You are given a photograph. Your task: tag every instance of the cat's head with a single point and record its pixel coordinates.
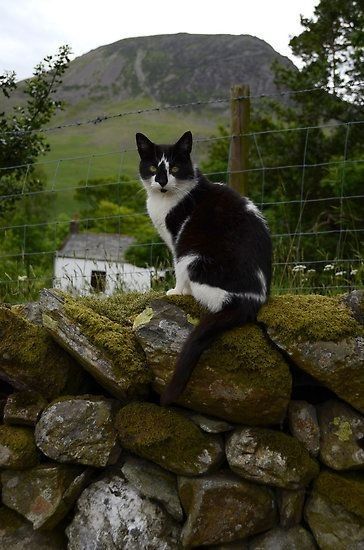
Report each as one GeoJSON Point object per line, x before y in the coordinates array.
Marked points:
{"type": "Point", "coordinates": [166, 168]}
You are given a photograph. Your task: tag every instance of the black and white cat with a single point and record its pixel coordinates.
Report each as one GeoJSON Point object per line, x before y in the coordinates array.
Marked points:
{"type": "Point", "coordinates": [220, 243]}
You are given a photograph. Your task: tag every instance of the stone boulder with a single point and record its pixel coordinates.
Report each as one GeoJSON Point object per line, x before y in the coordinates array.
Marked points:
{"type": "Point", "coordinates": [290, 506]}
{"type": "Point", "coordinates": [304, 425]}
{"type": "Point", "coordinates": [296, 538]}
{"type": "Point", "coordinates": [30, 359]}
{"type": "Point", "coordinates": [24, 408]}
{"type": "Point", "coordinates": [323, 338]}
{"type": "Point", "coordinates": [79, 430]}
{"type": "Point", "coordinates": [241, 378]}
{"type": "Point", "coordinates": [16, 533]}
{"type": "Point", "coordinates": [342, 436]}
{"type": "Point", "coordinates": [222, 508]}
{"type": "Point", "coordinates": [270, 457]}
{"type": "Point", "coordinates": [17, 448]}
{"type": "Point", "coordinates": [154, 482]}
{"type": "Point", "coordinates": [44, 494]}
{"type": "Point", "coordinates": [105, 348]}
{"type": "Point", "coordinates": [112, 514]}
{"type": "Point", "coordinates": [335, 511]}
{"type": "Point", "coordinates": [168, 438]}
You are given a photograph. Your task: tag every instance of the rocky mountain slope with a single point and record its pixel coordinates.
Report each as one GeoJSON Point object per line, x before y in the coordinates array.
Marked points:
{"type": "Point", "coordinates": [172, 68]}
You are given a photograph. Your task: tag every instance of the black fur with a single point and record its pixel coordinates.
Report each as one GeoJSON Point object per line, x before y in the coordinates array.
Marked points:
{"type": "Point", "coordinates": [229, 237]}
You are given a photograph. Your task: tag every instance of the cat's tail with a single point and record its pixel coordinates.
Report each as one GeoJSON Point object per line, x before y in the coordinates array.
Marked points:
{"type": "Point", "coordinates": [238, 312]}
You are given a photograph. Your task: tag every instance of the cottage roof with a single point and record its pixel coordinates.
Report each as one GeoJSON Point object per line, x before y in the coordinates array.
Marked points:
{"type": "Point", "coordinates": [95, 246]}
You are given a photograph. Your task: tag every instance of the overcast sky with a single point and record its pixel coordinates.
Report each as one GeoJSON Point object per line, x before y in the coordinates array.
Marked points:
{"type": "Point", "coordinates": [32, 29]}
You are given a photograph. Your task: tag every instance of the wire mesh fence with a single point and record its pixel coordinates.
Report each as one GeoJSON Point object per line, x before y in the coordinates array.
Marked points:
{"type": "Point", "coordinates": [79, 222]}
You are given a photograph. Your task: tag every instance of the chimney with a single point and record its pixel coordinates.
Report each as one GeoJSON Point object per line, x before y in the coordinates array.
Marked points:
{"type": "Point", "coordinates": [74, 227]}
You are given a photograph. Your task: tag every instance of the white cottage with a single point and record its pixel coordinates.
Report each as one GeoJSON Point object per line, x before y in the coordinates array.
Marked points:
{"type": "Point", "coordinates": [94, 262]}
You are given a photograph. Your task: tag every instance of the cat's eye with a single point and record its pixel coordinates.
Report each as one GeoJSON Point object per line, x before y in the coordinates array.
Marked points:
{"type": "Point", "coordinates": [152, 168]}
{"type": "Point", "coordinates": [174, 169]}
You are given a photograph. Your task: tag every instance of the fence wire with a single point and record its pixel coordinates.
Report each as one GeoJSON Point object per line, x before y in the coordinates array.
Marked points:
{"type": "Point", "coordinates": [87, 230]}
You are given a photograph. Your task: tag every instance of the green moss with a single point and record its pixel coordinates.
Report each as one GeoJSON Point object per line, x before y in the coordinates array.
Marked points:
{"type": "Point", "coordinates": [254, 359]}
{"type": "Point", "coordinates": [28, 354]}
{"type": "Point", "coordinates": [161, 435]}
{"type": "Point", "coordinates": [19, 449]}
{"type": "Point", "coordinates": [310, 318]}
{"type": "Point", "coordinates": [114, 337]}
{"type": "Point", "coordinates": [345, 489]}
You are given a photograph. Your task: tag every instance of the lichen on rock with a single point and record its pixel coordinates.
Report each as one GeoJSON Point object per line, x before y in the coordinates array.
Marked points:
{"type": "Point", "coordinates": [270, 457]}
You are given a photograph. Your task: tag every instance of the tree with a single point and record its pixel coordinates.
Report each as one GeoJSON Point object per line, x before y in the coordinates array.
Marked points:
{"type": "Point", "coordinates": [21, 138]}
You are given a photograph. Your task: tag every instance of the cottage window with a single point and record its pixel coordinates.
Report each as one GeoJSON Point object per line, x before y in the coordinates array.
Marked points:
{"type": "Point", "coordinates": [98, 281]}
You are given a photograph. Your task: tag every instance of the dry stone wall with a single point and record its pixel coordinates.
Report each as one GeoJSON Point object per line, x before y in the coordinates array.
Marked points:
{"type": "Point", "coordinates": [263, 450]}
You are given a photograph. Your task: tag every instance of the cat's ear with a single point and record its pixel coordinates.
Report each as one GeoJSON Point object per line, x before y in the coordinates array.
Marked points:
{"type": "Point", "coordinates": [146, 147]}
{"type": "Point", "coordinates": [184, 144]}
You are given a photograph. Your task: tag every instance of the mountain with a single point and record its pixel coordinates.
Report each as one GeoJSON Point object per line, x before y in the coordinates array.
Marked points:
{"type": "Point", "coordinates": [172, 68]}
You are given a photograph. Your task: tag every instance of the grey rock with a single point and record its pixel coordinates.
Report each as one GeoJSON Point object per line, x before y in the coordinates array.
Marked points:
{"type": "Point", "coordinates": [342, 435]}
{"type": "Point", "coordinates": [24, 408]}
{"type": "Point", "coordinates": [16, 533]}
{"type": "Point", "coordinates": [335, 511]}
{"type": "Point", "coordinates": [78, 430]}
{"type": "Point", "coordinates": [44, 494]}
{"type": "Point", "coordinates": [296, 538]}
{"type": "Point", "coordinates": [270, 457]}
{"type": "Point", "coordinates": [304, 425]}
{"type": "Point", "coordinates": [355, 301]}
{"type": "Point", "coordinates": [222, 508]}
{"type": "Point", "coordinates": [209, 424]}
{"type": "Point", "coordinates": [111, 513]}
{"type": "Point", "coordinates": [154, 482]}
{"type": "Point", "coordinates": [333, 526]}
{"type": "Point", "coordinates": [290, 506]}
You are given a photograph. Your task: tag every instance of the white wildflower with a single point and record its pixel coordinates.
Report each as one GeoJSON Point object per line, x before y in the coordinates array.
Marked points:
{"type": "Point", "coordinates": [329, 267]}
{"type": "Point", "coordinates": [298, 268]}
{"type": "Point", "coordinates": [340, 273]}
{"type": "Point", "coordinates": [353, 272]}
{"type": "Point", "coordinates": [22, 277]}
{"type": "Point", "coordinates": [311, 271]}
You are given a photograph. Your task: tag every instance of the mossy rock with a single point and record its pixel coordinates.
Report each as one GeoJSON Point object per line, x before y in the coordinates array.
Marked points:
{"type": "Point", "coordinates": [17, 448]}
{"type": "Point", "coordinates": [241, 378]}
{"type": "Point", "coordinates": [222, 508]}
{"type": "Point", "coordinates": [30, 359]}
{"type": "Point", "coordinates": [335, 510]}
{"type": "Point", "coordinates": [168, 439]}
{"type": "Point", "coordinates": [98, 333]}
{"type": "Point", "coordinates": [270, 457]}
{"type": "Point", "coordinates": [323, 338]}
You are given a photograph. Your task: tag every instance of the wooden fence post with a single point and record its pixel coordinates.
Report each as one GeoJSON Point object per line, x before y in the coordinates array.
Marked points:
{"type": "Point", "coordinates": [239, 146]}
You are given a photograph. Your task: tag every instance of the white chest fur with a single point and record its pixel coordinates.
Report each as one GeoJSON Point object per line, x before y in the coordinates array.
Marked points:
{"type": "Point", "coordinates": [158, 206]}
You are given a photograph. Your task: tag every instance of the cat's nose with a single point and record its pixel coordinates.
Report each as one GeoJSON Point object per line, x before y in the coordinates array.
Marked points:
{"type": "Point", "coordinates": [161, 179]}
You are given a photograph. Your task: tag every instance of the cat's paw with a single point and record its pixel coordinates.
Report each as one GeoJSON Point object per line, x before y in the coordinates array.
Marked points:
{"type": "Point", "coordinates": [172, 292]}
